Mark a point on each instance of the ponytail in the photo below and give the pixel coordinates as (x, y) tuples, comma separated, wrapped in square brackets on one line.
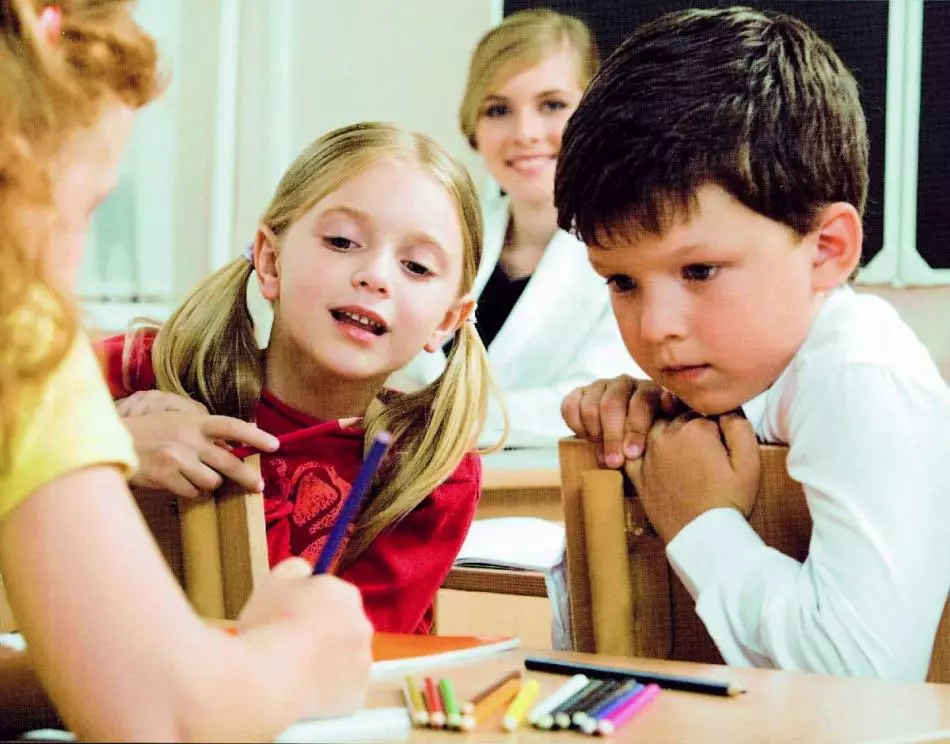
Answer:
[(432, 429), (207, 349)]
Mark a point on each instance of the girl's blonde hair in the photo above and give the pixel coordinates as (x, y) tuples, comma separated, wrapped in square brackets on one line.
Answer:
[(208, 351), (56, 76), (521, 41)]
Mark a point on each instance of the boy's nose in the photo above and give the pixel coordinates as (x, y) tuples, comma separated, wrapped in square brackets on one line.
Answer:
[(662, 320)]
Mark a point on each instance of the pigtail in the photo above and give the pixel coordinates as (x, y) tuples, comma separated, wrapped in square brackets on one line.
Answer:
[(207, 349), (433, 429)]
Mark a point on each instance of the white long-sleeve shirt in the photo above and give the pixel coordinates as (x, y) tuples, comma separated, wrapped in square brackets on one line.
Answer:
[(866, 417)]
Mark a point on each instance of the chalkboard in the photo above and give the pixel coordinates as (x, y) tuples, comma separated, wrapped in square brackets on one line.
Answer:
[(933, 161), (856, 28)]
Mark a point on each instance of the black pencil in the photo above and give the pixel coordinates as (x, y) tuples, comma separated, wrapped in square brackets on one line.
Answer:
[(666, 681)]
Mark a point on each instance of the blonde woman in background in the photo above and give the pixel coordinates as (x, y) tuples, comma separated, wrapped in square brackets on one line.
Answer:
[(367, 254), (543, 313), (112, 644)]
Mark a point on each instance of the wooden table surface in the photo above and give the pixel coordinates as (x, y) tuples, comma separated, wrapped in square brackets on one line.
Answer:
[(521, 483), (778, 707)]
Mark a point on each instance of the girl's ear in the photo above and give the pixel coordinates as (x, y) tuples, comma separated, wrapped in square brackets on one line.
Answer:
[(267, 263), (838, 237), (460, 312)]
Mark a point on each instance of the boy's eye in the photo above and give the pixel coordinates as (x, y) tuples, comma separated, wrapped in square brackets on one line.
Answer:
[(496, 110), (620, 283), (417, 269), (699, 272), (339, 243), (553, 105)]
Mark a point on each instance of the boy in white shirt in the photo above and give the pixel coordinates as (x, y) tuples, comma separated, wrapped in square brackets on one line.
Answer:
[(717, 170)]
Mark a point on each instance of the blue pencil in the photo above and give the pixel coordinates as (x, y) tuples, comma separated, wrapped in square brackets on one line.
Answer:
[(352, 504)]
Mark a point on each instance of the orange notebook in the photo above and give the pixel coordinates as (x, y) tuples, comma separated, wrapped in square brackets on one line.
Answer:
[(401, 653)]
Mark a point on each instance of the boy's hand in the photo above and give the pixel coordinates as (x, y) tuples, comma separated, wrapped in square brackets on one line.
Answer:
[(156, 401), (692, 465), (325, 615), (618, 412), (184, 452)]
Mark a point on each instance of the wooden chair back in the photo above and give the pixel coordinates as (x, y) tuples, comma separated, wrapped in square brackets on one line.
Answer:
[(216, 547), (626, 599)]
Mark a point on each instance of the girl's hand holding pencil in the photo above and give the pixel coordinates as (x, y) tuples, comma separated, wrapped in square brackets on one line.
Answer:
[(323, 612), (325, 617)]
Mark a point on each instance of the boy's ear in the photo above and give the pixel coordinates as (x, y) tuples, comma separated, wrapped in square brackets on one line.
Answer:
[(838, 238), (459, 313), (267, 263)]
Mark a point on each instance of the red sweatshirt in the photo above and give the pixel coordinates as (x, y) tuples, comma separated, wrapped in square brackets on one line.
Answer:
[(304, 487)]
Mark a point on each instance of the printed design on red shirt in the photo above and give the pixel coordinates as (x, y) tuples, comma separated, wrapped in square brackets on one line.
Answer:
[(303, 500), (318, 493)]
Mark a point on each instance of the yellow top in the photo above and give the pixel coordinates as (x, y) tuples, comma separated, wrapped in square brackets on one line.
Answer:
[(67, 424)]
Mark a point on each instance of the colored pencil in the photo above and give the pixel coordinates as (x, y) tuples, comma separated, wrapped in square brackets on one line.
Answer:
[(415, 703), (616, 719), (469, 705), (290, 438), (626, 691), (434, 704), (607, 691), (562, 716), (453, 717), (541, 715), (519, 706), (351, 506), (495, 700), (666, 681)]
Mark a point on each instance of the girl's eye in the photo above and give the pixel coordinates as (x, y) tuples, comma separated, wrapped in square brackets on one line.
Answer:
[(553, 105), (339, 243), (417, 269), (620, 283), (699, 272), (496, 110)]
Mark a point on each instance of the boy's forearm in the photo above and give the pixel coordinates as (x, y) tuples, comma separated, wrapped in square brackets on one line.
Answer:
[(24, 704)]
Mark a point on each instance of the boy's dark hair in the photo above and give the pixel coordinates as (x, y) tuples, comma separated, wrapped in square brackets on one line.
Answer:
[(752, 101)]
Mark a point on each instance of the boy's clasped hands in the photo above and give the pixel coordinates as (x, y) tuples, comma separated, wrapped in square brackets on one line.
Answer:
[(682, 464)]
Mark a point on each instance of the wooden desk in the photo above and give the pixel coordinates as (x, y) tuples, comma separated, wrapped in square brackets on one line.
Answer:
[(521, 483), (520, 583), (778, 707), (515, 483)]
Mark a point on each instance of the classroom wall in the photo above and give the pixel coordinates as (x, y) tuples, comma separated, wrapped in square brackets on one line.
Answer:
[(927, 311), (304, 67), (309, 67)]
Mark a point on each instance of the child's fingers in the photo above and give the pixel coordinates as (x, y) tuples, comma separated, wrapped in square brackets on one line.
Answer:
[(177, 484), (742, 445), (643, 410), (589, 410), (235, 430), (293, 568), (227, 465), (675, 426), (203, 477), (571, 411), (132, 405), (614, 404)]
